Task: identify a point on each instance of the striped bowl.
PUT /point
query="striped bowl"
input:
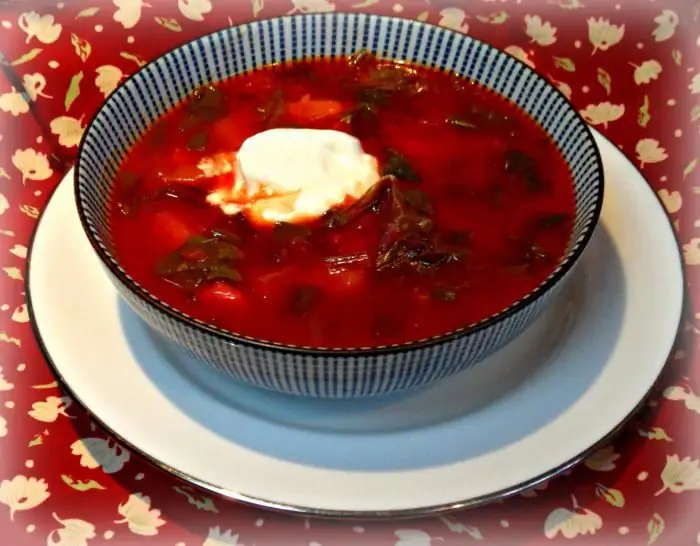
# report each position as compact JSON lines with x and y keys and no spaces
{"x":329,"y":373}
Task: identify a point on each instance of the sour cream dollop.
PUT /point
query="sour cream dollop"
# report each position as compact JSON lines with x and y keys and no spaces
{"x":294,"y":175}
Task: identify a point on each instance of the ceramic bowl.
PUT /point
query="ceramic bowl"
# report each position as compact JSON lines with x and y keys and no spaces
{"x":329,"y":373}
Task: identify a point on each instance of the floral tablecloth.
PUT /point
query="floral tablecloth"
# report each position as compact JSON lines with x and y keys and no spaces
{"x":632,"y":67}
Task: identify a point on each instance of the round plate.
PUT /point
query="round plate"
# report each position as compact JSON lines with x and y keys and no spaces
{"x":532,"y":410}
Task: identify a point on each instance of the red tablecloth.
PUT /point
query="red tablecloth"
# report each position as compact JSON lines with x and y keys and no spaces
{"x":630,"y":67}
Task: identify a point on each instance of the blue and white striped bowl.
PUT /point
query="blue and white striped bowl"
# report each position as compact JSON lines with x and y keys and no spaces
{"x":329,"y":373}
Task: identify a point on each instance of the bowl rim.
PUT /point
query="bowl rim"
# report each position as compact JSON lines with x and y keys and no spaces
{"x":565,"y":264}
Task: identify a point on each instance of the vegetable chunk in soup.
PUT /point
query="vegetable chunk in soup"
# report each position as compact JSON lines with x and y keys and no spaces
{"x":342,"y":203}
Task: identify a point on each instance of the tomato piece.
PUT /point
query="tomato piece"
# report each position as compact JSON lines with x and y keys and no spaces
{"x":217,"y":293}
{"x":307,"y":109}
{"x":170,"y":230}
{"x":179,"y":167}
{"x":229,"y":132}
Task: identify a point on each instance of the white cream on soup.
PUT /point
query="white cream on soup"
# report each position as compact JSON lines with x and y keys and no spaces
{"x":292,"y":175}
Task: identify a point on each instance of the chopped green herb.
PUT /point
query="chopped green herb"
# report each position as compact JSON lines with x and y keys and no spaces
{"x":362,"y":117}
{"x":521,"y":164}
{"x":128,"y":183}
{"x":197,"y":142}
{"x":417,"y":200}
{"x":273,"y":110}
{"x":220,"y":233}
{"x":223,"y":272}
{"x":371,"y":98}
{"x":207,"y":105}
{"x":457,"y":238}
{"x":285,"y":231}
{"x":201,"y":259}
{"x":436,"y":257}
{"x":192,"y":194}
{"x":384,"y":324}
{"x":337,"y":218}
{"x":444,"y":293}
{"x":372,"y":201}
{"x":300,"y":71}
{"x":552,"y":220}
{"x":410,"y":239}
{"x":341,"y":262}
{"x":475,"y":118}
{"x":403,"y":251}
{"x":157,"y":136}
{"x":208,"y":97}
{"x":392,"y":78}
{"x":461,"y":122}
{"x":368,"y":102}
{"x":398,"y":167}
{"x":304,"y":298}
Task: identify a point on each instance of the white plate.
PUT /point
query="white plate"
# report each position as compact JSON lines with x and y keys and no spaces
{"x":527,"y":413}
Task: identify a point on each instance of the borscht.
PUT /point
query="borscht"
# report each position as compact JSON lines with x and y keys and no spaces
{"x":342,"y":203}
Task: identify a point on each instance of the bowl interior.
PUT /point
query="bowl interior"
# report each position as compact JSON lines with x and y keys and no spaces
{"x":165,"y":82}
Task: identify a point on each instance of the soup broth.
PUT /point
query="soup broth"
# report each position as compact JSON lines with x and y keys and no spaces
{"x":473,"y":210}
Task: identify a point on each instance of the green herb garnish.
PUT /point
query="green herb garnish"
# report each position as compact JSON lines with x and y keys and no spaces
{"x":198,"y":142}
{"x":521,"y":164}
{"x":199,"y":260}
{"x":399,"y":167}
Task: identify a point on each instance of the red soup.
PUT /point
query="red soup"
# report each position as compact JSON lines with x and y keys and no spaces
{"x":473,"y":208}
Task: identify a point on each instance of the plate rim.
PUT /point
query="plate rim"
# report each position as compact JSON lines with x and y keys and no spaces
{"x":400,"y":514}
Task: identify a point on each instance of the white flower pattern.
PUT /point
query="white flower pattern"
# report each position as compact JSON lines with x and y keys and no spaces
{"x":68,"y":129}
{"x":311,"y":6}
{"x":673,"y":201}
{"x":22,"y":493}
{"x":73,"y":532}
{"x":650,"y":151}
{"x":695,"y":84}
{"x":32,"y":164}
{"x":195,"y":10}
{"x":680,"y":475}
{"x":5,"y":385}
{"x":128,"y":12}
{"x":414,"y":537}
{"x":603,"y":460}
{"x":540,"y":32}
{"x":108,"y":78}
{"x":572,"y":523}
{"x":685,"y":393}
{"x":454,"y":19}
{"x":139,"y":516}
{"x":42,"y":27}
{"x":216,"y":537}
{"x":603,"y":35}
{"x":647,"y":71}
{"x":14,"y":103}
{"x":603,"y":113}
{"x":34,"y":85}
{"x":47,"y":411}
{"x":666,"y":24}
{"x":100,"y":453}
{"x":520,"y":54}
